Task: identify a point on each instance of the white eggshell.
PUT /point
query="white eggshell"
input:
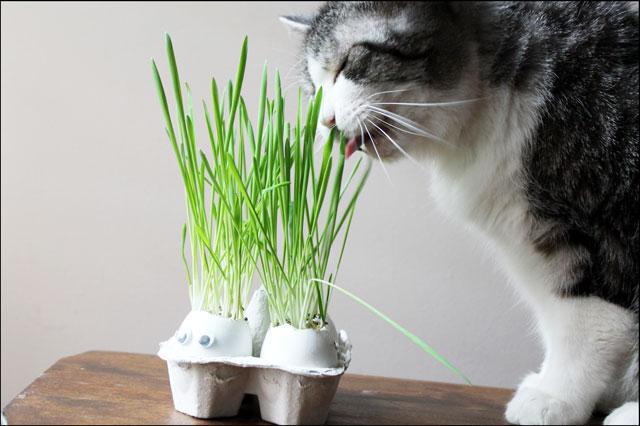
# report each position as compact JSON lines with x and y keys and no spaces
{"x":288,"y":346}
{"x":257,"y":314}
{"x":226,"y":337}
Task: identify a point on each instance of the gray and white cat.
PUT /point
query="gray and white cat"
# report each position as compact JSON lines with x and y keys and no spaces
{"x":528,"y":116}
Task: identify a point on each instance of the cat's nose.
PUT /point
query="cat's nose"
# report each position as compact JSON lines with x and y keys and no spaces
{"x":328,"y":121}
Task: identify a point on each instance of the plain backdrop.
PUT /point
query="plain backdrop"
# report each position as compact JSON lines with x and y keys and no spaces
{"x":92,"y":204}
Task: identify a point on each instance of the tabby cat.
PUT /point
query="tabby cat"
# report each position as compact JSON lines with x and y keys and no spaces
{"x":527,"y":114}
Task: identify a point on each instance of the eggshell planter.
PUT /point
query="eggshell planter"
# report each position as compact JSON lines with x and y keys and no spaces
{"x":286,"y":345}
{"x":295,"y":377}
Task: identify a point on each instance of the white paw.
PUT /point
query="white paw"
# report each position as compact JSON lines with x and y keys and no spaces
{"x":533,"y":407}
{"x":625,"y":415}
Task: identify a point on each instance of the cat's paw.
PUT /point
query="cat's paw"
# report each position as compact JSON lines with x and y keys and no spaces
{"x":625,"y":415}
{"x":533,"y":407}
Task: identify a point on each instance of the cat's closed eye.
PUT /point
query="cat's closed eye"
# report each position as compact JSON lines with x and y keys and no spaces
{"x":341,"y":68}
{"x":359,"y":54}
{"x":393,"y":52}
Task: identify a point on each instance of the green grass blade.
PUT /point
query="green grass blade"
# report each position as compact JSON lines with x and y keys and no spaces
{"x":415,"y":339}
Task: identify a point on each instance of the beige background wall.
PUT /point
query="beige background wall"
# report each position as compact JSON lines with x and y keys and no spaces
{"x":92,"y":204}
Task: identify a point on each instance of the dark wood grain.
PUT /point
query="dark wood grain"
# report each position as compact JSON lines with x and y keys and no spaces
{"x":122,"y":388}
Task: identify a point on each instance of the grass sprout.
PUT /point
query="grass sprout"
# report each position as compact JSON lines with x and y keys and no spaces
{"x":304,"y":213}
{"x":221,"y":262}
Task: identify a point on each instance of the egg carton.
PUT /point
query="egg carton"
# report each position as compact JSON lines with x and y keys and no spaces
{"x":209,"y":379}
{"x":213,"y":389}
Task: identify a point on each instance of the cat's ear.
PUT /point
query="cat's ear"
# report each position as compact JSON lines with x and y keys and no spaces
{"x":297,"y":23}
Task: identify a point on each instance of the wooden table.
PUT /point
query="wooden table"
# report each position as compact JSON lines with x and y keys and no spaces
{"x":113,"y":387}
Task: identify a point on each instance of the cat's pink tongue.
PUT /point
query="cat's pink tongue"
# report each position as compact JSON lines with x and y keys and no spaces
{"x":352,"y":146}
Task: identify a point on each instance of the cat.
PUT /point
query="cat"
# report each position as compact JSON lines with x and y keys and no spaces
{"x":527,"y":114}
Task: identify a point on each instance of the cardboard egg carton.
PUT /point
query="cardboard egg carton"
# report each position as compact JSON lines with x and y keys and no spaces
{"x":216,"y":389}
{"x":206,"y":384}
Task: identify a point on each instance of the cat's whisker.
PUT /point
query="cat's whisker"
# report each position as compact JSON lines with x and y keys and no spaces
{"x":398,"y":128}
{"x":398,"y":118}
{"x":384,"y":169}
{"x":410,"y":124}
{"x":430,"y":104}
{"x":417,"y":131}
{"x":293,"y":67}
{"x":405,"y":153}
{"x":291,"y":81}
{"x":385,"y":92}
{"x":292,"y":84}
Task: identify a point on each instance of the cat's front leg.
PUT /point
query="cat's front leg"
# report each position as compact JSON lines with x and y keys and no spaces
{"x":586,"y":341}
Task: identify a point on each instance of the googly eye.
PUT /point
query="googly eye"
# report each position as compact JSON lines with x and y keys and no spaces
{"x":206,"y":341}
{"x":183,"y":337}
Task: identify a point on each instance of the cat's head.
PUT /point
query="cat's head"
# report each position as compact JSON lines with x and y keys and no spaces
{"x":382,"y":66}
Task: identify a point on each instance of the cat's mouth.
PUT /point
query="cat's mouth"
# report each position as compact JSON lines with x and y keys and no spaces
{"x":368,"y":140}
